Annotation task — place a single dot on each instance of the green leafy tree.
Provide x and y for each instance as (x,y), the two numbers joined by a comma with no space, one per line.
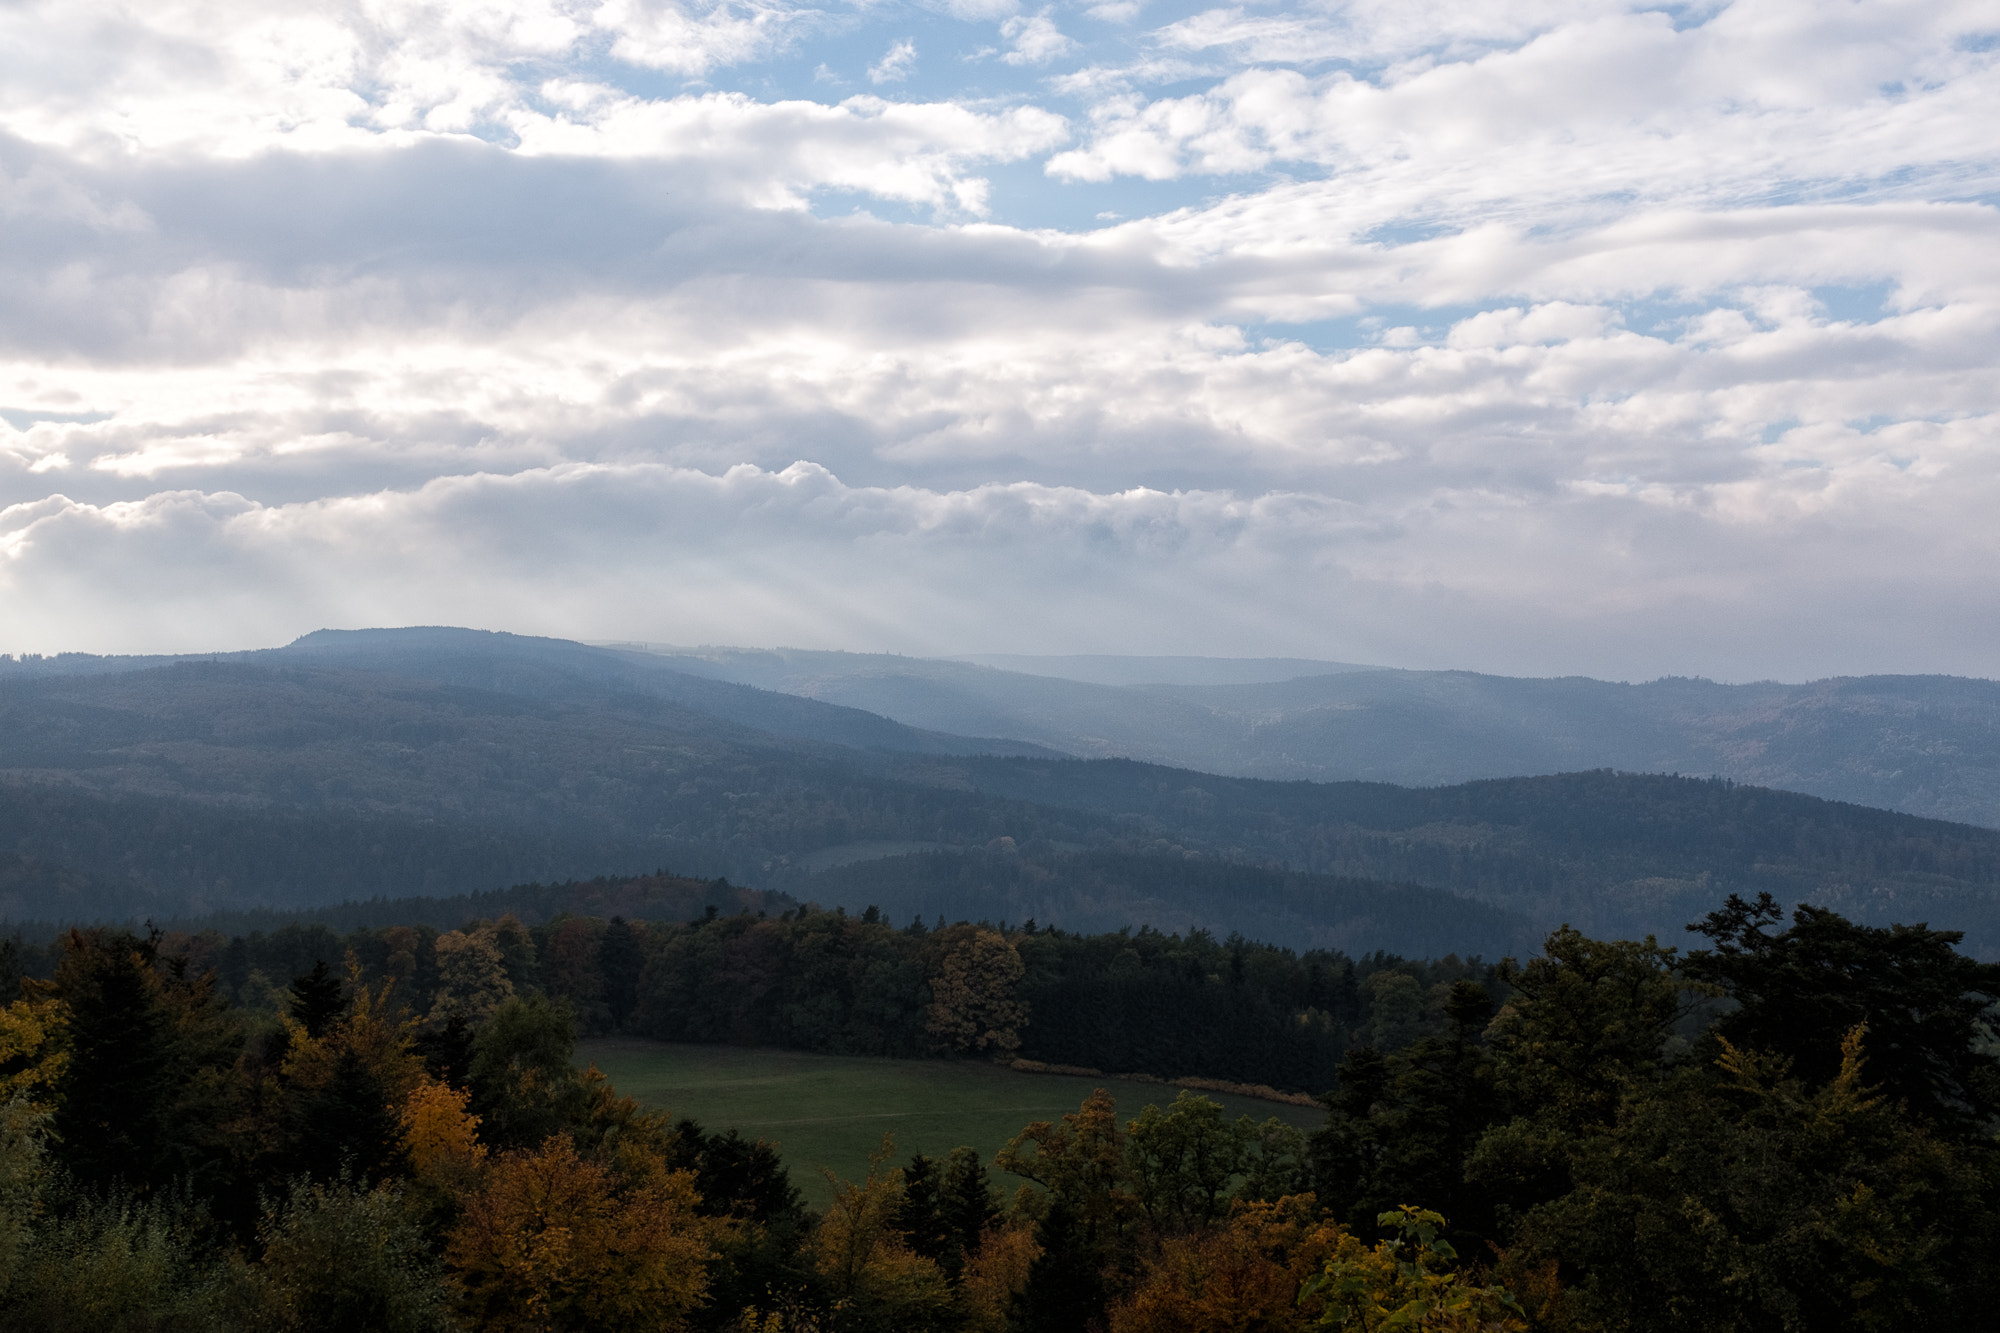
(23,1166)
(524,1086)
(340,1257)
(108,1263)
(1401,1126)
(1182,1161)
(1588,1027)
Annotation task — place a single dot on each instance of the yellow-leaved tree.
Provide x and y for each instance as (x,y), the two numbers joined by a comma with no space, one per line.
(554,1241)
(1409,1282)
(441,1137)
(472,975)
(973,975)
(876,1281)
(33,1054)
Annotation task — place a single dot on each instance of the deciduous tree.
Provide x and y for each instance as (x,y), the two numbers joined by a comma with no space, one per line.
(553,1241)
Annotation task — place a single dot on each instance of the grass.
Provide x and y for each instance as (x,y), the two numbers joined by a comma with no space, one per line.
(831,1111)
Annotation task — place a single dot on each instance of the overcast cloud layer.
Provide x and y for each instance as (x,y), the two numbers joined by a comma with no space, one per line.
(1533,336)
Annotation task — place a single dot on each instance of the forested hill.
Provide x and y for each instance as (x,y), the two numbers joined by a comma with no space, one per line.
(1616,853)
(310,777)
(1925,745)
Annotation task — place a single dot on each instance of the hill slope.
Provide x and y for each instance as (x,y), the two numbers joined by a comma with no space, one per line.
(421,762)
(1927,745)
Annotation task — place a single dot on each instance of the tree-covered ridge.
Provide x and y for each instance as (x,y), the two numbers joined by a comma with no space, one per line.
(303,778)
(1794,1127)
(1613,852)
(734,971)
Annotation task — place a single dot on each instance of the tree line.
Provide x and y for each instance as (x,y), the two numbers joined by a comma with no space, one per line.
(1146,1002)
(1790,1127)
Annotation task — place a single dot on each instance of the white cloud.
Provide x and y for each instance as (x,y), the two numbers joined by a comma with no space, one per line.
(895,64)
(1035,39)
(1539,334)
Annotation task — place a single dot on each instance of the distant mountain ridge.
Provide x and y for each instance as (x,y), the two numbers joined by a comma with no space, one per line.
(1925,745)
(443,763)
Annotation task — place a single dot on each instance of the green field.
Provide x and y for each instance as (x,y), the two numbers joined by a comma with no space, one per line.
(831,1111)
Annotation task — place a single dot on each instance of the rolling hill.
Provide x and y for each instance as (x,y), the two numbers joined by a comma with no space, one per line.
(1927,745)
(440,762)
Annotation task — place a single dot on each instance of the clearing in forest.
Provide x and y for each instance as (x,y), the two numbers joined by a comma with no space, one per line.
(832,1110)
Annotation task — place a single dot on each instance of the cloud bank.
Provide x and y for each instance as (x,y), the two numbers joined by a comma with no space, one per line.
(1529,337)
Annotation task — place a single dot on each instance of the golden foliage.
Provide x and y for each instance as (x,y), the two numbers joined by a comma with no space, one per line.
(995,1275)
(1408,1282)
(553,1241)
(1244,1276)
(1082,1160)
(33,1050)
(441,1136)
(381,1037)
(973,1005)
(472,974)
(874,1277)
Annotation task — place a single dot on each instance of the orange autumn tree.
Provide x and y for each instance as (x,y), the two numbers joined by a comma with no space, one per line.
(441,1137)
(1243,1276)
(554,1241)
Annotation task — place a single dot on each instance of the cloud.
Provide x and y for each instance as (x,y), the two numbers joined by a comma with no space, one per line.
(1035,39)
(797,553)
(895,64)
(1532,335)
(1584,116)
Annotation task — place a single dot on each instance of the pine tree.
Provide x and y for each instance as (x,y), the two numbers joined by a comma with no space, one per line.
(619,961)
(346,1126)
(318,999)
(109,1123)
(1065,1290)
(966,1206)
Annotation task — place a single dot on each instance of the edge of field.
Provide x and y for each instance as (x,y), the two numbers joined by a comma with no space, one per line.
(829,1112)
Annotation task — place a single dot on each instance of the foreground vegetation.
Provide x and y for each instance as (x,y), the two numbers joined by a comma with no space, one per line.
(1792,1127)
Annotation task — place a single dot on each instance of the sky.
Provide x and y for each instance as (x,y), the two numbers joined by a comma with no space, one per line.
(1528,336)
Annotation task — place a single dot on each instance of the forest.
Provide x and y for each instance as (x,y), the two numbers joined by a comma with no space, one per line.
(1789,1124)
(444,763)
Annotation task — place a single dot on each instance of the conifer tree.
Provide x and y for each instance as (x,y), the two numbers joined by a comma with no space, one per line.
(115,1087)
(318,1000)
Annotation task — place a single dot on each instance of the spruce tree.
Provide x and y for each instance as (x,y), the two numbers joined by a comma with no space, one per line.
(1065,1289)
(619,960)
(115,1089)
(318,999)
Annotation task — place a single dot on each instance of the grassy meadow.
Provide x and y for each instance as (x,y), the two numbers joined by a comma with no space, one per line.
(831,1111)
